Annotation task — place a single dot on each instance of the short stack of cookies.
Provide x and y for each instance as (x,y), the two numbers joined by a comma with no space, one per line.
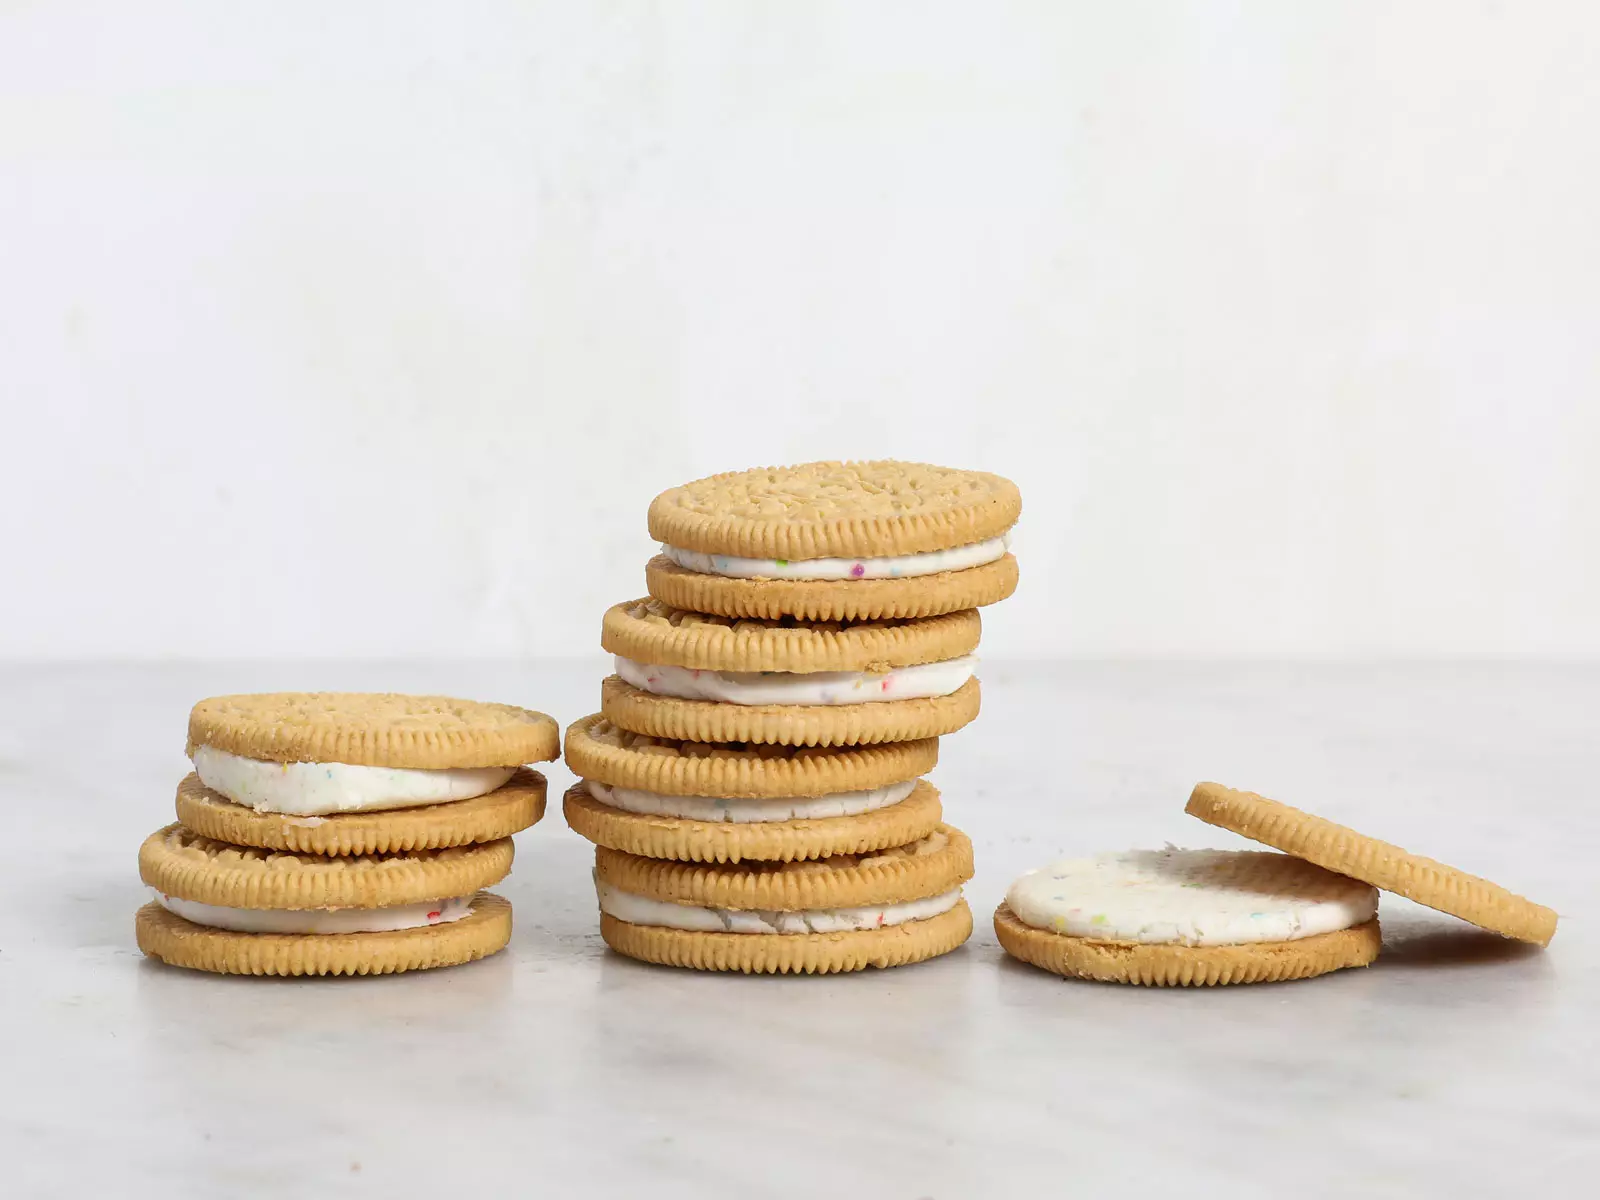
(753,781)
(342,833)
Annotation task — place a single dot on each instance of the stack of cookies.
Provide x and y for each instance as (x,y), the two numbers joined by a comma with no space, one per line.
(753,781)
(342,833)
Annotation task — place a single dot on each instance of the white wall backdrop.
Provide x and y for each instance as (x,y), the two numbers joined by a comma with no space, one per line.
(371,329)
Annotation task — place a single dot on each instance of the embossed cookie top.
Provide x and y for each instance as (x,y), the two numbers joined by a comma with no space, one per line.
(374,729)
(835,509)
(649,631)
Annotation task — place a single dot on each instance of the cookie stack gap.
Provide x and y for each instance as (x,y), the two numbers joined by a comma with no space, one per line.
(339,833)
(810,634)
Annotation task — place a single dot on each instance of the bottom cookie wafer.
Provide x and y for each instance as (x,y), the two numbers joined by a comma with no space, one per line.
(180,943)
(1167,965)
(785,954)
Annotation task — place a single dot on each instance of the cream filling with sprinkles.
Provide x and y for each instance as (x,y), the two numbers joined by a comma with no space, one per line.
(900,566)
(318,920)
(1190,898)
(750,811)
(820,687)
(316,789)
(643,910)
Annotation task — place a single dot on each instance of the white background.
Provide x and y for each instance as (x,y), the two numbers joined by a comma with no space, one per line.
(370,330)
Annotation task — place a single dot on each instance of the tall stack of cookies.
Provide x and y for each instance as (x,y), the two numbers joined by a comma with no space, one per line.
(342,833)
(753,781)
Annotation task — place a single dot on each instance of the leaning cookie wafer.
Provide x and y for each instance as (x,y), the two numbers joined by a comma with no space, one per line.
(831,600)
(166,936)
(649,631)
(1186,966)
(788,724)
(651,836)
(374,729)
(179,862)
(512,807)
(1378,863)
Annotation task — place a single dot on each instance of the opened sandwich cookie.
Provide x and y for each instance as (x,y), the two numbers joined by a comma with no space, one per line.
(835,541)
(844,913)
(1189,918)
(694,677)
(728,803)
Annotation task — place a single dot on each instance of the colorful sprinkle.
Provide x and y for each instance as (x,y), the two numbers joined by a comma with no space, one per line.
(857,571)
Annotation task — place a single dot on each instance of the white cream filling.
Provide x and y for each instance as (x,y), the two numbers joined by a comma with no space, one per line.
(1190,897)
(318,920)
(751,811)
(899,566)
(315,789)
(781,687)
(643,910)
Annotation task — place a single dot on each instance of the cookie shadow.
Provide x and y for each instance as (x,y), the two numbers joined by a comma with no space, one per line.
(1419,943)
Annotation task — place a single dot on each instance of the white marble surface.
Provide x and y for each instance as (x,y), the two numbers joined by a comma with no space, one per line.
(1459,1065)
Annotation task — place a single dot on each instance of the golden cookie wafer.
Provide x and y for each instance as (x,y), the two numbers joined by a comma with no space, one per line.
(179,862)
(374,729)
(649,631)
(836,510)
(597,749)
(508,809)
(1168,965)
(788,724)
(647,836)
(168,937)
(791,953)
(931,866)
(1330,845)
(831,600)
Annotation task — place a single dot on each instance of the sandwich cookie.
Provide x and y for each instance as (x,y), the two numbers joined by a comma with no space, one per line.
(250,911)
(1189,918)
(698,802)
(692,677)
(1380,864)
(844,913)
(835,541)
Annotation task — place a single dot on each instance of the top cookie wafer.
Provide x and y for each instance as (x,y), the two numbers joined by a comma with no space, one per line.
(374,729)
(834,509)
(1374,862)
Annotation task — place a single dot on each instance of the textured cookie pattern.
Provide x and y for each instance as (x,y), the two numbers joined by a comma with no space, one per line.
(791,954)
(649,631)
(597,749)
(647,836)
(508,809)
(374,729)
(836,510)
(179,862)
(1338,848)
(931,866)
(1186,966)
(831,600)
(787,724)
(179,943)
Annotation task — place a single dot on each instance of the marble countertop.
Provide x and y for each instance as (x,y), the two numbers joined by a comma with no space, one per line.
(1458,1065)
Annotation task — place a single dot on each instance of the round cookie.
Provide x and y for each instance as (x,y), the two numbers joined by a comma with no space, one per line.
(166,936)
(811,540)
(885,908)
(374,729)
(179,862)
(787,724)
(514,806)
(1375,862)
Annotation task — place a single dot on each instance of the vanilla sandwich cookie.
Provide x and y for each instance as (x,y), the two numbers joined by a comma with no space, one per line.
(1189,917)
(692,677)
(320,753)
(700,802)
(248,910)
(835,541)
(844,913)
